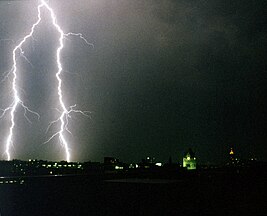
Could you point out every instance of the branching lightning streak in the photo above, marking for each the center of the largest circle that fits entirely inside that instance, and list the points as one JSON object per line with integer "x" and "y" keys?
{"x": 65, "y": 113}
{"x": 17, "y": 100}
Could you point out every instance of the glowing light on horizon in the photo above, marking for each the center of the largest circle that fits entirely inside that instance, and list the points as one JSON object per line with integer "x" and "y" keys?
{"x": 65, "y": 112}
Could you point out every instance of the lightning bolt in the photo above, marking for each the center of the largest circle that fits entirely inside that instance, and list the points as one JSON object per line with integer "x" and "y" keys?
{"x": 64, "y": 112}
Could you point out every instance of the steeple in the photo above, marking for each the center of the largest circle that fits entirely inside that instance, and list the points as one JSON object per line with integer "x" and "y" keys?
{"x": 231, "y": 153}
{"x": 189, "y": 160}
{"x": 232, "y": 157}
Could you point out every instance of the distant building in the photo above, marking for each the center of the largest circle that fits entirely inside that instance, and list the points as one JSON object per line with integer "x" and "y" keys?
{"x": 147, "y": 163}
{"x": 233, "y": 159}
{"x": 112, "y": 164}
{"x": 110, "y": 160}
{"x": 189, "y": 160}
{"x": 148, "y": 159}
{"x": 231, "y": 155}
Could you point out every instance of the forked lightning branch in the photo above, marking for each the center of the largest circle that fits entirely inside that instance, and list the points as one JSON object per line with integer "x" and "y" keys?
{"x": 65, "y": 112}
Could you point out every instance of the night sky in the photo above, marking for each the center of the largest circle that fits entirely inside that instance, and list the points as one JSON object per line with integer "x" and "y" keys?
{"x": 162, "y": 76}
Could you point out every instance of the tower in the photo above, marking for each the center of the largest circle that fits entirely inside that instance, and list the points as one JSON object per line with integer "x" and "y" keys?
{"x": 231, "y": 155}
{"x": 189, "y": 160}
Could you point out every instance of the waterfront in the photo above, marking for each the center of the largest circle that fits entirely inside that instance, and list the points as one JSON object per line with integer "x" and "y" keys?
{"x": 206, "y": 194}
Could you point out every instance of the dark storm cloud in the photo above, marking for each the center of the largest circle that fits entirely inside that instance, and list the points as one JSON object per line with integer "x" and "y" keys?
{"x": 163, "y": 76}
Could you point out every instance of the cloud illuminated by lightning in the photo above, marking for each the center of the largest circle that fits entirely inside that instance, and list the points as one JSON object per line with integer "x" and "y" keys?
{"x": 64, "y": 112}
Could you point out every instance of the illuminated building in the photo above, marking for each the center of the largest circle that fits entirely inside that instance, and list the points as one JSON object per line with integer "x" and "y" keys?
{"x": 233, "y": 159}
{"x": 232, "y": 155}
{"x": 147, "y": 163}
{"x": 112, "y": 164}
{"x": 189, "y": 160}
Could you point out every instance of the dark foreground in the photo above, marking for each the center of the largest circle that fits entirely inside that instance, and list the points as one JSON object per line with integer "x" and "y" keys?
{"x": 195, "y": 194}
